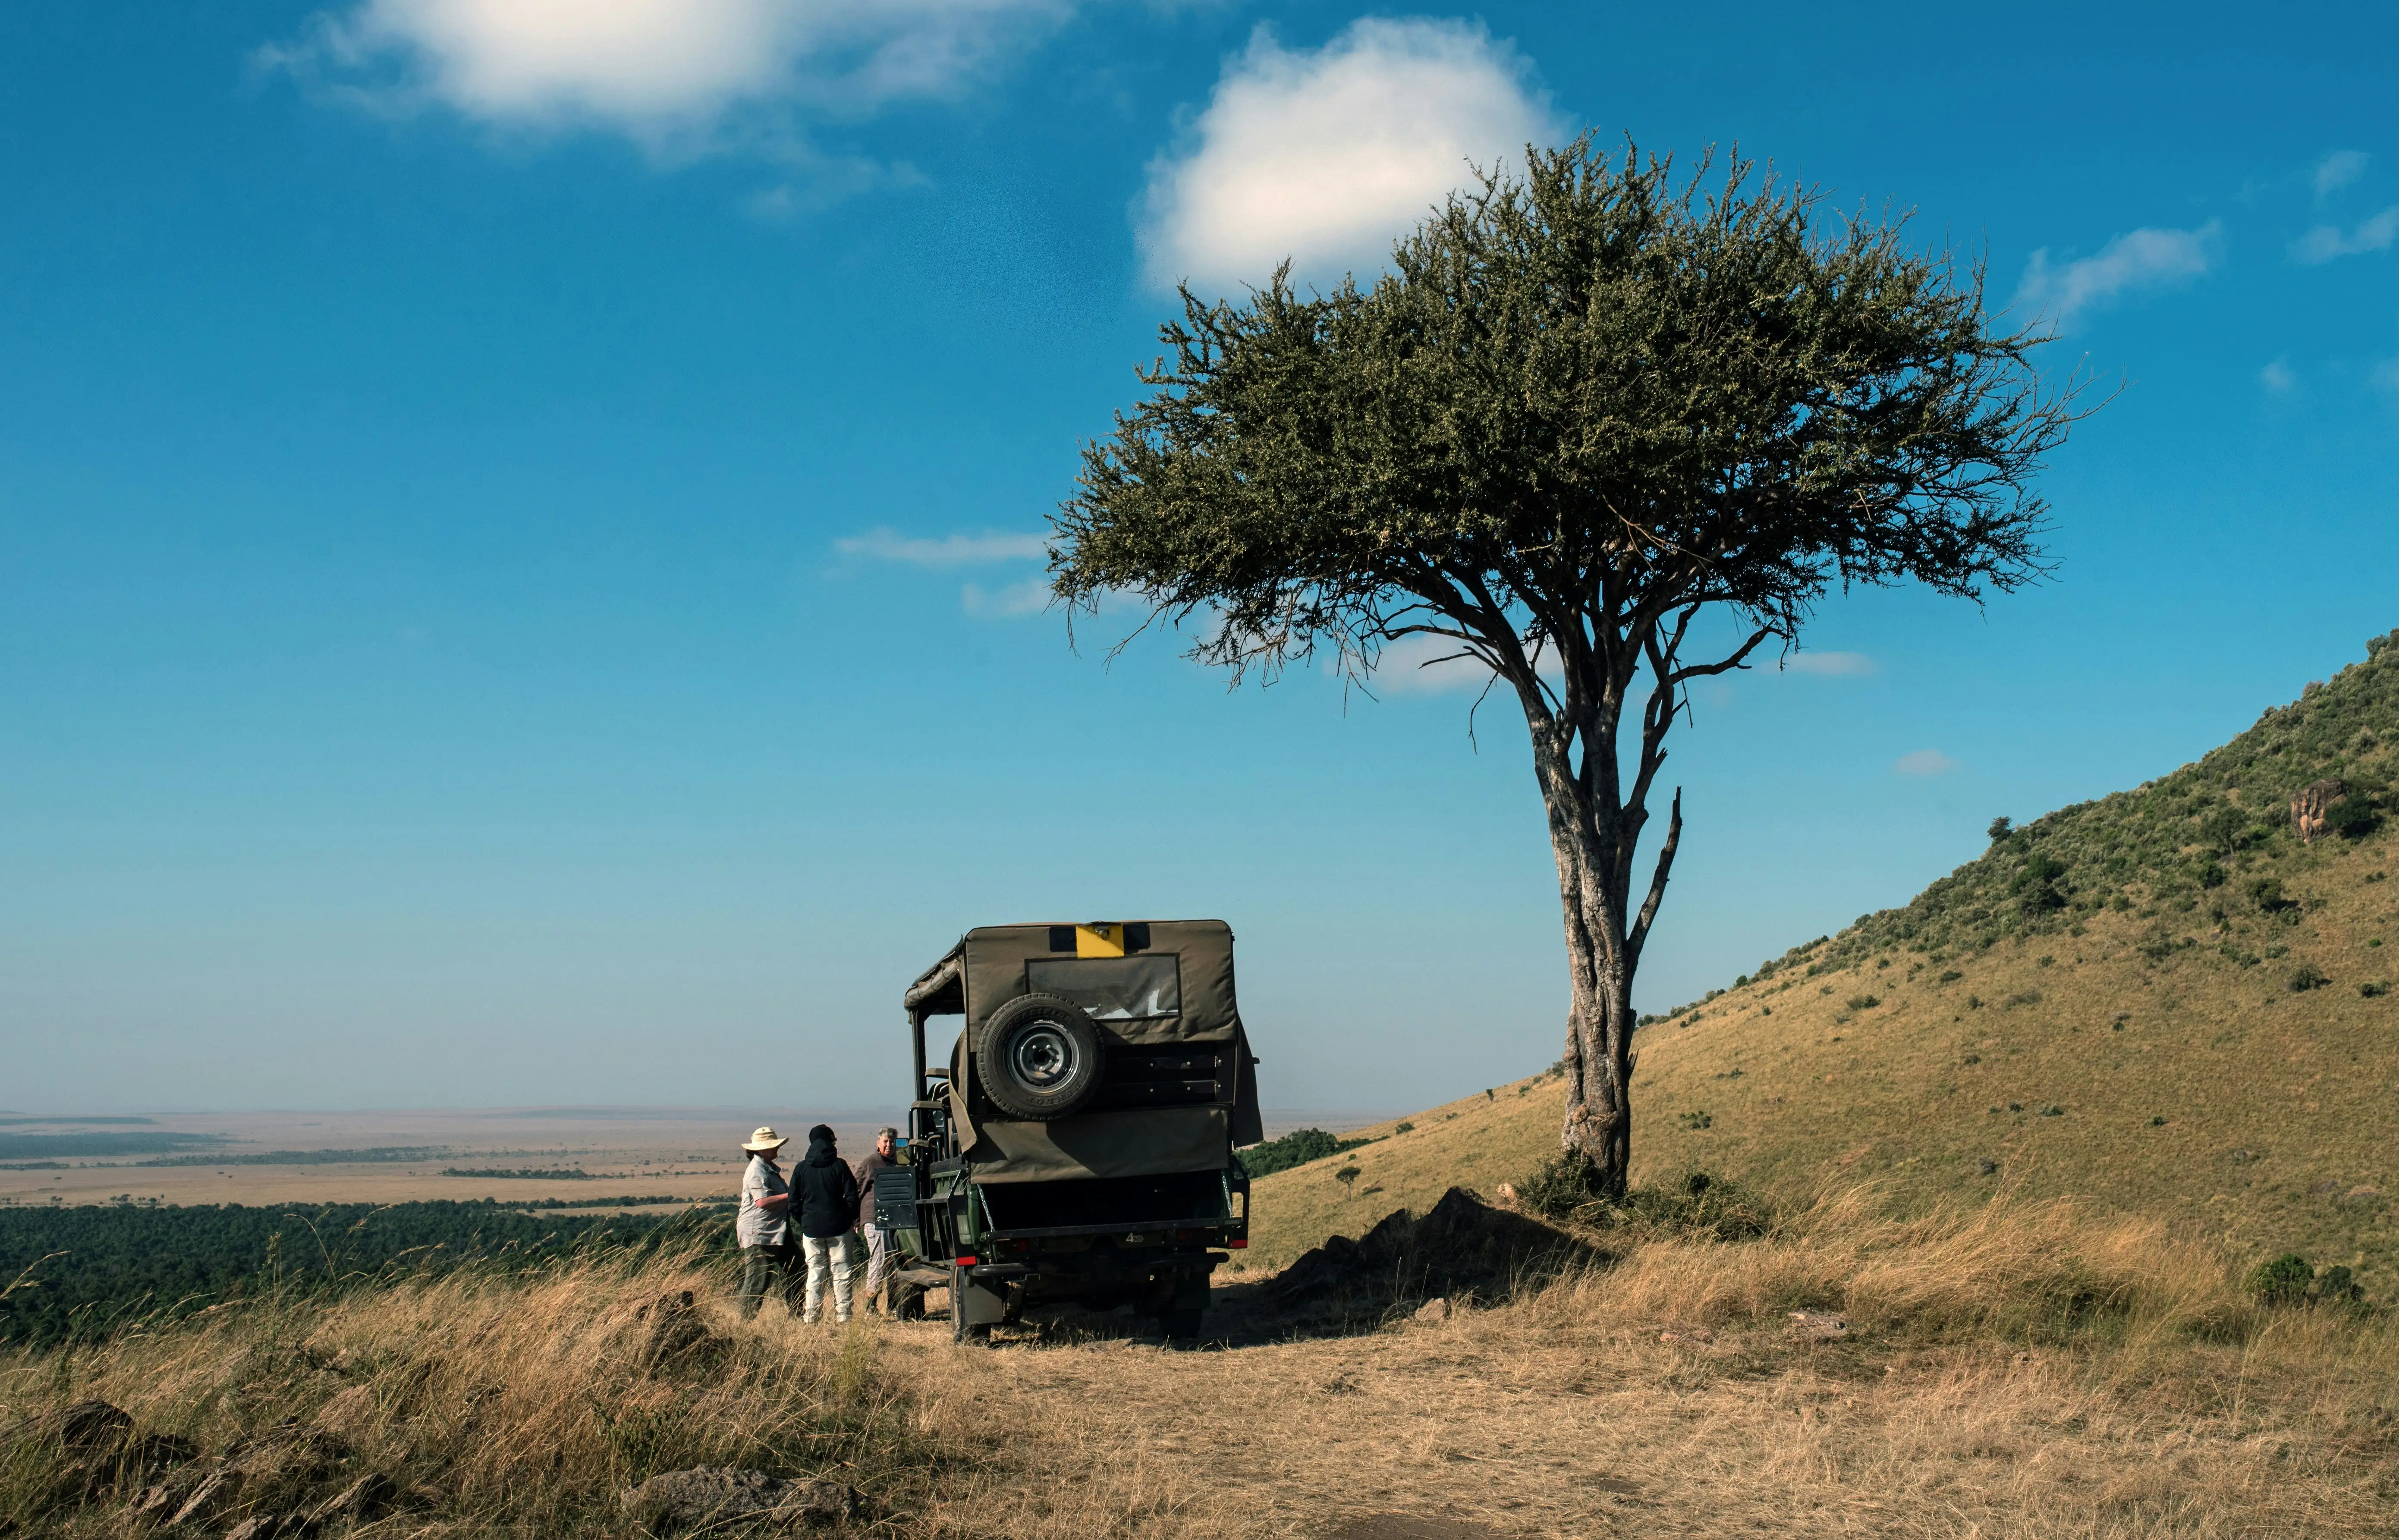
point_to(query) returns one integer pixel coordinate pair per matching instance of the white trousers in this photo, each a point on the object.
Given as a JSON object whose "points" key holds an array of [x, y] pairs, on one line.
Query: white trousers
{"points": [[828, 1258], [878, 1260]]}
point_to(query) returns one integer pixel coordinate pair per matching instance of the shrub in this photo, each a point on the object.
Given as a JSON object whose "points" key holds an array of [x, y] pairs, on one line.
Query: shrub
{"points": [[2334, 1285], [1695, 1121], [2283, 1281], [1949, 976], [2309, 977], [2021, 998], [2267, 894], [2157, 1122], [1297, 1148], [2211, 876], [2370, 991], [2053, 1110], [1865, 1002], [2353, 818], [1999, 828]]}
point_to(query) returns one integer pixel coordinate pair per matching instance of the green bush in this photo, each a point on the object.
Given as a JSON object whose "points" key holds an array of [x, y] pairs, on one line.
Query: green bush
{"points": [[1297, 1148], [2372, 990], [1865, 1002], [2283, 1281], [2335, 1285], [2308, 977]]}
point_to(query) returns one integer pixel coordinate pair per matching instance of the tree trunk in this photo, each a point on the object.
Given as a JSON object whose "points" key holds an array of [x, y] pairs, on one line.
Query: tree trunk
{"points": [[1599, 1020]]}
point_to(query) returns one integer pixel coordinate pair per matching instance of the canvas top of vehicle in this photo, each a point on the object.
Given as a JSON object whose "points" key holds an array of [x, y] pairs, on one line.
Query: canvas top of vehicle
{"points": [[1101, 1049]]}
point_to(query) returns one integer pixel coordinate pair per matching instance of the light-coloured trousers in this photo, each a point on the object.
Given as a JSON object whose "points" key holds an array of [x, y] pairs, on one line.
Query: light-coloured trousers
{"points": [[877, 1263], [828, 1258]]}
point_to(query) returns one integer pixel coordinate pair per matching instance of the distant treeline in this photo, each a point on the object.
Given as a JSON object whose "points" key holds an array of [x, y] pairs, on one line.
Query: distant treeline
{"points": [[79, 1122], [1297, 1148], [40, 1146], [521, 1173], [83, 1272], [309, 1158], [627, 1202]]}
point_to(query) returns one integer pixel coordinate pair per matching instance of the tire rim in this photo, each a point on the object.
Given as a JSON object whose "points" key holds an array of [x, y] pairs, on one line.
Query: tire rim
{"points": [[1041, 1056]]}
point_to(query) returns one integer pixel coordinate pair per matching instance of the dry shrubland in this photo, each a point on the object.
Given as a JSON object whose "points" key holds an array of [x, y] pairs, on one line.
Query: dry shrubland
{"points": [[494, 1403], [2018, 1368]]}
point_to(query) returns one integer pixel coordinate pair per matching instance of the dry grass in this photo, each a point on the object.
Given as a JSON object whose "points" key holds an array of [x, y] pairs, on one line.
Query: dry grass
{"points": [[499, 1404], [2279, 1127], [2021, 1370], [2022, 1367]]}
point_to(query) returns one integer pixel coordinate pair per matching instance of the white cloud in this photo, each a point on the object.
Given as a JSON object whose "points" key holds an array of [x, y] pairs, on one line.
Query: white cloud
{"points": [[1829, 663], [1011, 602], [664, 72], [1326, 156], [2277, 377], [950, 550], [2139, 259], [1924, 762], [2325, 243], [2338, 170]]}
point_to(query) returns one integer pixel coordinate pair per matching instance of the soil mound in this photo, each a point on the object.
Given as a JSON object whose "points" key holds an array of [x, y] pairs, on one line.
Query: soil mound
{"points": [[1462, 1248]]}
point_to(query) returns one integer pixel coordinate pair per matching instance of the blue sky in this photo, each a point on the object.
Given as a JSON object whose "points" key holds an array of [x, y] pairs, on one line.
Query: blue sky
{"points": [[514, 516]]}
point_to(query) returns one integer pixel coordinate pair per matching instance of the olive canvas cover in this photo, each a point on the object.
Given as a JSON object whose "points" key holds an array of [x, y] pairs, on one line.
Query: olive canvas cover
{"points": [[1145, 982]]}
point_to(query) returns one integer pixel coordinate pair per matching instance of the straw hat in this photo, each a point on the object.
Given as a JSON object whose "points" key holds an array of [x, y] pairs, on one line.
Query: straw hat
{"points": [[764, 1140]]}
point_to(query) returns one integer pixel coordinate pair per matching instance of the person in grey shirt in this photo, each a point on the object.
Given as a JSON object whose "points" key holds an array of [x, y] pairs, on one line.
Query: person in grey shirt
{"points": [[879, 1244], [764, 1228]]}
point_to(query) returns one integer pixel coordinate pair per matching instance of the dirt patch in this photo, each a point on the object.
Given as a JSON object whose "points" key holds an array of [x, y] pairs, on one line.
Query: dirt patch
{"points": [[1462, 1249]]}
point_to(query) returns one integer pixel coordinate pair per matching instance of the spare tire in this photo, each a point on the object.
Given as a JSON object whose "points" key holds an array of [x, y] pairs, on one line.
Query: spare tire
{"points": [[1039, 1057]]}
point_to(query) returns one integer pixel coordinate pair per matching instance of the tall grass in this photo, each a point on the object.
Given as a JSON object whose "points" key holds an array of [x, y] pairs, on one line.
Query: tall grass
{"points": [[494, 1400]]}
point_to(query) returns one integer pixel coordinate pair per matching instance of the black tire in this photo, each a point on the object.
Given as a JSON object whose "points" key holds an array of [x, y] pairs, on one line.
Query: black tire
{"points": [[1041, 1057]]}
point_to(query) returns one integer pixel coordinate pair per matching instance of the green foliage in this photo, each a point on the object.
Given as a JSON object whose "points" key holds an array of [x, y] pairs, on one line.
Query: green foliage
{"points": [[1297, 1148], [1566, 1187], [2308, 977], [1404, 1127], [2190, 833], [1865, 1002], [2282, 1280], [2373, 990], [1695, 1121]]}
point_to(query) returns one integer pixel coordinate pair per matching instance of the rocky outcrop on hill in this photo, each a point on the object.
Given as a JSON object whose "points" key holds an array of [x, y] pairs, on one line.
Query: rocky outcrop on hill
{"points": [[2311, 809]]}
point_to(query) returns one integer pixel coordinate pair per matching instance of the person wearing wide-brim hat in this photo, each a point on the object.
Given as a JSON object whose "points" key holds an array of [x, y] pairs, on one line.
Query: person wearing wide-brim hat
{"points": [[764, 1228]]}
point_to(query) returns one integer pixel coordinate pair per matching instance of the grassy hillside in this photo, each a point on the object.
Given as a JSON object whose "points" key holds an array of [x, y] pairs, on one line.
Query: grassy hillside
{"points": [[2161, 1000]]}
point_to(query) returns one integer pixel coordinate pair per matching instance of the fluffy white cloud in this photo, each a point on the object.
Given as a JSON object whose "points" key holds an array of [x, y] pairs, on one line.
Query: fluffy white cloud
{"points": [[950, 550], [2139, 259], [659, 70], [1013, 601], [2338, 170], [1924, 763], [1829, 663], [1326, 156], [2325, 243]]}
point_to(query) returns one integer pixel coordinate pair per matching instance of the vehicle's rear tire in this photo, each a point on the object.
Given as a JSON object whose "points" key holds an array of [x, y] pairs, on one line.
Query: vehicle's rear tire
{"points": [[1041, 1057], [1183, 1326]]}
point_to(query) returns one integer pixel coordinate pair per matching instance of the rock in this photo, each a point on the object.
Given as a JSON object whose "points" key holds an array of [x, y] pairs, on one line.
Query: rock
{"points": [[707, 1497], [89, 1428], [215, 1490], [1818, 1325], [1433, 1312], [2310, 810], [361, 1499], [1460, 1247]]}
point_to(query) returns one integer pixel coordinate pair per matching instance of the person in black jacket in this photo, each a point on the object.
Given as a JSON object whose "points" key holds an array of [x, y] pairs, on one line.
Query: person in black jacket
{"points": [[825, 1200]]}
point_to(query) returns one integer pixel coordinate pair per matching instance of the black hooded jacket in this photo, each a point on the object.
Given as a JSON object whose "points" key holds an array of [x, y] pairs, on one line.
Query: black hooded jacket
{"points": [[824, 1192]]}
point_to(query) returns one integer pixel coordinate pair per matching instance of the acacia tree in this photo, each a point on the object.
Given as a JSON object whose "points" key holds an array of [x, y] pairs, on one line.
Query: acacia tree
{"points": [[1603, 434]]}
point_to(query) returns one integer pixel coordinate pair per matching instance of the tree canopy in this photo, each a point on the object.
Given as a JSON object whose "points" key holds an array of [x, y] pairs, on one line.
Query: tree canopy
{"points": [[1586, 409]]}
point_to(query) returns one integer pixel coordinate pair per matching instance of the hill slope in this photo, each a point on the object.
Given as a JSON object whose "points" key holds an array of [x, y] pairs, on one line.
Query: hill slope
{"points": [[2162, 1000]]}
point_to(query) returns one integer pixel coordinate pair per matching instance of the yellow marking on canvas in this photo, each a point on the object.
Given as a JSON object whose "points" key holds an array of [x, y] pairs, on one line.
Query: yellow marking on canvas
{"points": [[1099, 941]]}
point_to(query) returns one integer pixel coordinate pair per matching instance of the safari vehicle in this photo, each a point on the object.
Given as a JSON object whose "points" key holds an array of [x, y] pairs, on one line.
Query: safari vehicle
{"points": [[1078, 1146]]}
